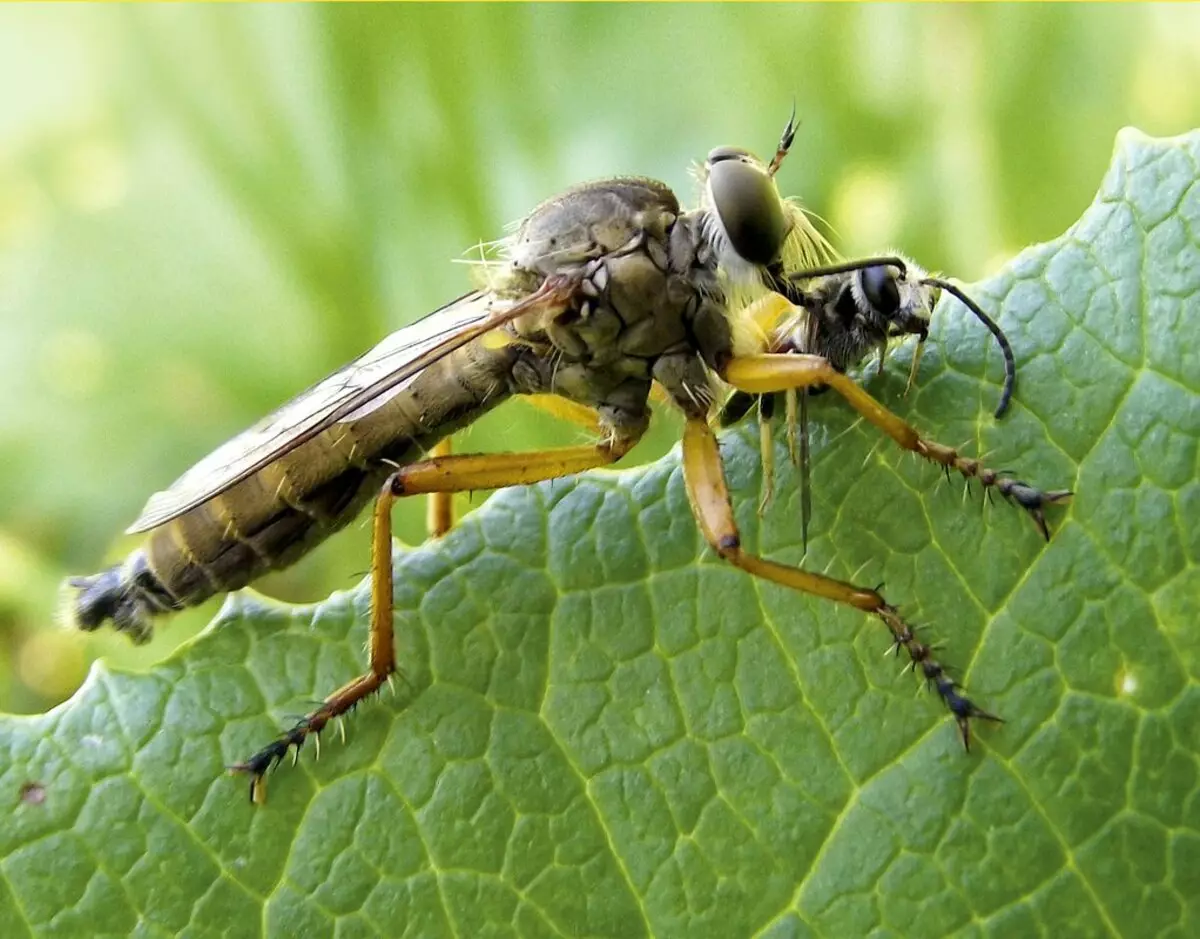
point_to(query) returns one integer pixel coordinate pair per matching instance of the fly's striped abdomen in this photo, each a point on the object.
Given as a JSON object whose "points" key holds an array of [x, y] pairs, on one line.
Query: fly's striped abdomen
{"points": [[274, 517]]}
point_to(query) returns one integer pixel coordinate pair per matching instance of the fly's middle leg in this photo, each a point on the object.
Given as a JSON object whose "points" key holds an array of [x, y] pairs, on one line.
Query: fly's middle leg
{"points": [[438, 474], [439, 507], [704, 478], [566, 410], [469, 471]]}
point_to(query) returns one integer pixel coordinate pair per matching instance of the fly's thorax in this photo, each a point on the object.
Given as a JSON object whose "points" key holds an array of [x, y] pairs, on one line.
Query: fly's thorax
{"points": [[633, 264], [589, 221], [647, 288]]}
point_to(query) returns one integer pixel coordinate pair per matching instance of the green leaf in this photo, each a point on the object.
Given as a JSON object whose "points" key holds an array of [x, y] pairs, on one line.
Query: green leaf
{"points": [[606, 731]]}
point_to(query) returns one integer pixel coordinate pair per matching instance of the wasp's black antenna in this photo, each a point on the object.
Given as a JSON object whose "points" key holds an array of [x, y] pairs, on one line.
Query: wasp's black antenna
{"points": [[846, 267], [1010, 367]]}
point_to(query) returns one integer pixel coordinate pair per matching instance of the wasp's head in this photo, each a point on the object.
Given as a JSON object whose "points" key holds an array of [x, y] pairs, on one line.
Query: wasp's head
{"points": [[889, 301], [857, 305]]}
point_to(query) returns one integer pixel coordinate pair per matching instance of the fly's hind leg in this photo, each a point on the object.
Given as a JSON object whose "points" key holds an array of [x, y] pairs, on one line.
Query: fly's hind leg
{"points": [[439, 511], [438, 474], [704, 478], [381, 658], [761, 374]]}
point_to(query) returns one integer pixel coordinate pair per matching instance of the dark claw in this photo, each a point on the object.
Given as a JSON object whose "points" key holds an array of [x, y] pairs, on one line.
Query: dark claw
{"points": [[1034, 501], [963, 709], [258, 766], [270, 756]]}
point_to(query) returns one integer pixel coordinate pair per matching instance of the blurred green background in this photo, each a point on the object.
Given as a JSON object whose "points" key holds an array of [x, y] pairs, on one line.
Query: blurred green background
{"points": [[203, 210]]}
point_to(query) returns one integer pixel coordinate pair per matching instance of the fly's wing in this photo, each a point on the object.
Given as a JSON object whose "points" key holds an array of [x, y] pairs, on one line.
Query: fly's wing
{"points": [[349, 393]]}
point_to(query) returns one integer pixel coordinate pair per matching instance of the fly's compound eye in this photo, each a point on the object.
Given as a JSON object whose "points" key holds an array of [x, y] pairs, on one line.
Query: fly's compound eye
{"points": [[720, 154], [881, 290], [747, 203]]}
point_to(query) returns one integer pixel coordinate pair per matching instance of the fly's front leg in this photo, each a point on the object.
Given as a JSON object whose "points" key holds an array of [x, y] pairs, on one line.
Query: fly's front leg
{"points": [[761, 374], [704, 477], [438, 474], [381, 658]]}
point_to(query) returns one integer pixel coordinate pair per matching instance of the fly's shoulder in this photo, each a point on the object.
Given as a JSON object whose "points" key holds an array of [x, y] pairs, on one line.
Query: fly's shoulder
{"points": [[633, 193]]}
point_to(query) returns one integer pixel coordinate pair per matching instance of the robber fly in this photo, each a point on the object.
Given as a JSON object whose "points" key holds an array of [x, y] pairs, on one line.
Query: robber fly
{"points": [[602, 292]]}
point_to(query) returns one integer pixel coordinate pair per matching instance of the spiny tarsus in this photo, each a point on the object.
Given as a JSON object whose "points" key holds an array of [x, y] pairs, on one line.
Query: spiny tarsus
{"points": [[293, 739], [1015, 491], [936, 675]]}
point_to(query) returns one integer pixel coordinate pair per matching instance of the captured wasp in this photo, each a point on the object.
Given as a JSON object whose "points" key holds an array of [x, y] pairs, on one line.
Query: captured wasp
{"points": [[843, 313], [603, 292]]}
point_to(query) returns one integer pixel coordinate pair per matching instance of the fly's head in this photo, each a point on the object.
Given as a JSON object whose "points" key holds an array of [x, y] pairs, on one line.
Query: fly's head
{"points": [[748, 222], [754, 232]]}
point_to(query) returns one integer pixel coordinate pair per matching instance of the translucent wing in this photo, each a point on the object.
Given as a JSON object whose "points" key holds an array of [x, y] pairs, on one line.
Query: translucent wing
{"points": [[348, 394]]}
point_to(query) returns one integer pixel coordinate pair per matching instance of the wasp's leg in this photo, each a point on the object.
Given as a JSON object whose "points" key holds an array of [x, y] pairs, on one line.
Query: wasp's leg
{"points": [[447, 474], [381, 658], [704, 478], [761, 374], [439, 507]]}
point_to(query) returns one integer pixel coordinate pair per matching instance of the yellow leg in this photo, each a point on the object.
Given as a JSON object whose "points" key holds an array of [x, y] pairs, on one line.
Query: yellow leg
{"points": [[767, 312], [762, 374], [704, 477], [439, 516], [439, 474], [439, 507], [464, 472], [566, 410], [766, 451], [381, 657]]}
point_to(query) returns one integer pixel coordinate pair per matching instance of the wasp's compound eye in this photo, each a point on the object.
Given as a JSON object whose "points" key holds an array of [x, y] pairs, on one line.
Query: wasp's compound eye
{"points": [[880, 288], [747, 203]]}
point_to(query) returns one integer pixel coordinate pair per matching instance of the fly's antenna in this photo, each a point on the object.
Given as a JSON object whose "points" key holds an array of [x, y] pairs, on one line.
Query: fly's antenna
{"points": [[785, 143], [1010, 366]]}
